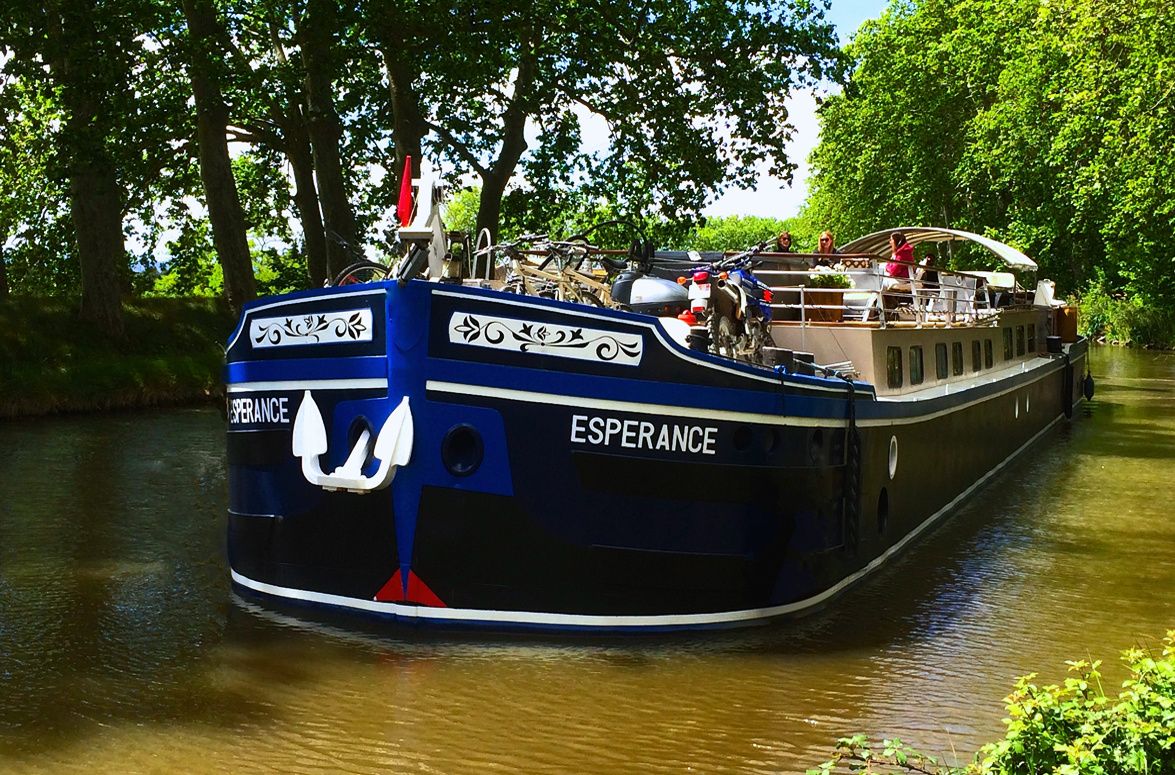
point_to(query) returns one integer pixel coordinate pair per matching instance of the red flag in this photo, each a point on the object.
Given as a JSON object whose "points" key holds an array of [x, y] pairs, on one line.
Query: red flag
{"points": [[404, 206]]}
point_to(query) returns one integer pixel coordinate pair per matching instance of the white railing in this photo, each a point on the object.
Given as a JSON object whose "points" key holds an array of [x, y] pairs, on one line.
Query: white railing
{"points": [[875, 298]]}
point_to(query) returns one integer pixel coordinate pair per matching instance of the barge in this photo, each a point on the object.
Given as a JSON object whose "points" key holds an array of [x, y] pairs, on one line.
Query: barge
{"points": [[437, 453]]}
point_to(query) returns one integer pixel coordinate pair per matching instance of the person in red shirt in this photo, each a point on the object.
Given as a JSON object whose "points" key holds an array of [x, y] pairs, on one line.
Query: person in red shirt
{"points": [[896, 284], [902, 251]]}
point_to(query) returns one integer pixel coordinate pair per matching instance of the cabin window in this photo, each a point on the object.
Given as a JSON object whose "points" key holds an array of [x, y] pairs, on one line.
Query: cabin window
{"points": [[1019, 340], [976, 356], [893, 366], [916, 365], [1031, 337], [957, 358], [1008, 344], [988, 359], [940, 360]]}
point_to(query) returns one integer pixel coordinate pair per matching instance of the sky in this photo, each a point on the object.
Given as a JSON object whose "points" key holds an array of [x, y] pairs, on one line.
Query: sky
{"points": [[773, 198]]}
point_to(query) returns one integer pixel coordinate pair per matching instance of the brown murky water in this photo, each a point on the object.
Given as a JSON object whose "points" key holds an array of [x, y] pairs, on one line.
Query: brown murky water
{"points": [[123, 649]]}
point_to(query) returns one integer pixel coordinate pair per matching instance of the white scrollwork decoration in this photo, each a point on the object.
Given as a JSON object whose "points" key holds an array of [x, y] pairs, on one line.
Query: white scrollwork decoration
{"points": [[352, 325], [585, 344]]}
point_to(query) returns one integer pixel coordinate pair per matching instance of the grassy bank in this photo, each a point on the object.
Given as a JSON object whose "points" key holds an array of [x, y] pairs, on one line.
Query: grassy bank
{"points": [[50, 361]]}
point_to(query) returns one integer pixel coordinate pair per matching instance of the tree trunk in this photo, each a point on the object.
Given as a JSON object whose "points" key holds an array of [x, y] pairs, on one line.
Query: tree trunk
{"points": [[95, 196], [317, 39], [296, 146], [96, 210], [408, 125], [306, 195], [216, 171], [494, 180], [3, 275]]}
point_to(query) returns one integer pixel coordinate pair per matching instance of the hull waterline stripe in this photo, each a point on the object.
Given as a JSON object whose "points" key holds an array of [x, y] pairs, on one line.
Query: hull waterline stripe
{"points": [[309, 384], [627, 622]]}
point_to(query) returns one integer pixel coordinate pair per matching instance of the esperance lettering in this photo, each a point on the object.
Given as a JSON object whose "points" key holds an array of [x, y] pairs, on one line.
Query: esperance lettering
{"points": [[639, 434], [258, 410]]}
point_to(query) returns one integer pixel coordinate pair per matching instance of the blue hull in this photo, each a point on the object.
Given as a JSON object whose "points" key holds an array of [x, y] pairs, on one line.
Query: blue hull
{"points": [[574, 468]]}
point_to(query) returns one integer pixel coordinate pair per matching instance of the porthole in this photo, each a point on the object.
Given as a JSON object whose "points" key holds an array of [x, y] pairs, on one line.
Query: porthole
{"points": [[462, 450], [816, 447], [1027, 404], [742, 437], [770, 440], [893, 456], [1017, 407]]}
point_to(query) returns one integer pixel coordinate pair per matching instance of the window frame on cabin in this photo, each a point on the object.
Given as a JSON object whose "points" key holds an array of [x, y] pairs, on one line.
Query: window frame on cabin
{"points": [[940, 360], [893, 367]]}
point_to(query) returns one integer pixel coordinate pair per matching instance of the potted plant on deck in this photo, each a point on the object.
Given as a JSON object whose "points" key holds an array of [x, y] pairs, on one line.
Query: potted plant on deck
{"points": [[818, 294]]}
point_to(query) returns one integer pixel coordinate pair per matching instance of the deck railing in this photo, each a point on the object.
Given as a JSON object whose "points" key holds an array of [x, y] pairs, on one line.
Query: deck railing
{"points": [[877, 299]]}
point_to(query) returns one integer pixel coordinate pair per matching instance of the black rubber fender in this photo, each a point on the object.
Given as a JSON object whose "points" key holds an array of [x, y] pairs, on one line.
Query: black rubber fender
{"points": [[1067, 388]]}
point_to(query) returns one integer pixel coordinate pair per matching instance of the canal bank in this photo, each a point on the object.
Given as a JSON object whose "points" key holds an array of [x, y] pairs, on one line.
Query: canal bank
{"points": [[125, 650], [52, 362]]}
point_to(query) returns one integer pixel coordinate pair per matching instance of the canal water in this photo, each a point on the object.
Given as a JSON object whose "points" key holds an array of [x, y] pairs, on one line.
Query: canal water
{"points": [[124, 650]]}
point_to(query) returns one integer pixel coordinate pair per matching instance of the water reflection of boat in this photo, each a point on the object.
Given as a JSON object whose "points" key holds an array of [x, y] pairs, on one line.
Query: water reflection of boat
{"points": [[442, 454]]}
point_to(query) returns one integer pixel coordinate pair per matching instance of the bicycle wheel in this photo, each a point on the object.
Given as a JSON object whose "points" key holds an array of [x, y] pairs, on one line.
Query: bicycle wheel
{"points": [[590, 299], [361, 272]]}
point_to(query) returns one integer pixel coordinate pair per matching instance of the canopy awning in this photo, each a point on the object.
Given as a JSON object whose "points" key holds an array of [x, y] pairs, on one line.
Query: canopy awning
{"points": [[877, 244]]}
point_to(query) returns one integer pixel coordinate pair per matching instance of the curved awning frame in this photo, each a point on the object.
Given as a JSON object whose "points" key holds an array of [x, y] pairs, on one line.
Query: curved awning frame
{"points": [[877, 244]]}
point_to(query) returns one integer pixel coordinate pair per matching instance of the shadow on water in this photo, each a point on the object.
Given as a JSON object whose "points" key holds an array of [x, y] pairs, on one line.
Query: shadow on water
{"points": [[111, 577]]}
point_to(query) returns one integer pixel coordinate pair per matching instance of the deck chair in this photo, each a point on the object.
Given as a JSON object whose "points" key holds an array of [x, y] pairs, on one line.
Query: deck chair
{"points": [[865, 296], [951, 290]]}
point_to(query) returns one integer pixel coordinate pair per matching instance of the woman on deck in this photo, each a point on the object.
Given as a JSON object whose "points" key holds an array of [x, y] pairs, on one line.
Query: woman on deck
{"points": [[896, 284]]}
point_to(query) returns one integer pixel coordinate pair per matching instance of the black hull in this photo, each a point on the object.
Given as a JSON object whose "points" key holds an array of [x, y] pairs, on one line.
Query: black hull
{"points": [[778, 497]]}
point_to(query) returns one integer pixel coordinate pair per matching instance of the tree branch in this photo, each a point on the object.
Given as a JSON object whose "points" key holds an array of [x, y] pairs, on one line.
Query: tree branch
{"points": [[459, 147]]}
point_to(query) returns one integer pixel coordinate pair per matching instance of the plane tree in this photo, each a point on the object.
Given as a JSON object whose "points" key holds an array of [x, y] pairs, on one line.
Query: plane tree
{"points": [[691, 93], [78, 57], [1042, 123]]}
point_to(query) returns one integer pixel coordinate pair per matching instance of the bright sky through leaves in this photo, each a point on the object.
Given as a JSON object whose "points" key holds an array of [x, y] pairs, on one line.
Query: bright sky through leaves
{"points": [[774, 199]]}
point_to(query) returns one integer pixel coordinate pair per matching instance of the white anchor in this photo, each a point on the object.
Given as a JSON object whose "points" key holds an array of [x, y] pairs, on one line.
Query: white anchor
{"points": [[393, 448]]}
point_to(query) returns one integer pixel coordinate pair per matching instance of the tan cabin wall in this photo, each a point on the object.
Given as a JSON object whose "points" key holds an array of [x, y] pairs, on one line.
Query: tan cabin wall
{"points": [[867, 347]]}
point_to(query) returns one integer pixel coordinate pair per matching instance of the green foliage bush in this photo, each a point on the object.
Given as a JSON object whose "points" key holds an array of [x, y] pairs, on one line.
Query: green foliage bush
{"points": [[1121, 319], [1068, 729], [1043, 124], [828, 280], [736, 232]]}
